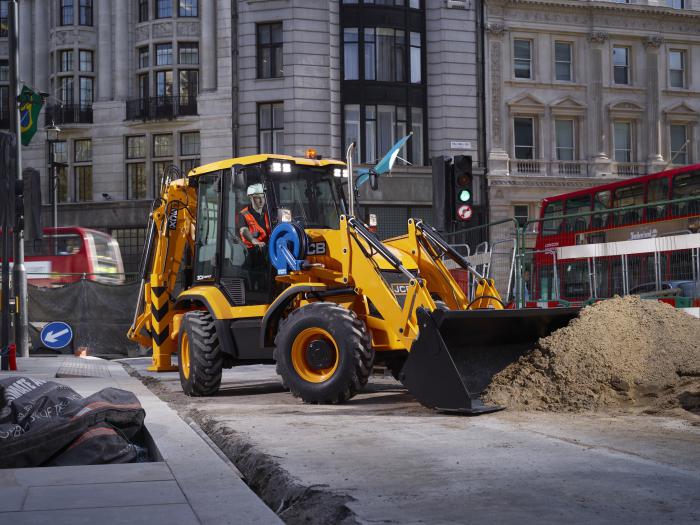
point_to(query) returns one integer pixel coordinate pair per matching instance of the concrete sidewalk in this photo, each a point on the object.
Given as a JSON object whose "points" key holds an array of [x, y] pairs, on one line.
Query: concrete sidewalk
{"points": [[192, 484]]}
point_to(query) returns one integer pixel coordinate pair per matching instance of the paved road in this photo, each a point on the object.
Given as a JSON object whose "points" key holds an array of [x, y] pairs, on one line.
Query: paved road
{"points": [[383, 458]]}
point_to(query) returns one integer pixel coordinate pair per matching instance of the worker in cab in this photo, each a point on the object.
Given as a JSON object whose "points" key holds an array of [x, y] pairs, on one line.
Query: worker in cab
{"points": [[254, 221]]}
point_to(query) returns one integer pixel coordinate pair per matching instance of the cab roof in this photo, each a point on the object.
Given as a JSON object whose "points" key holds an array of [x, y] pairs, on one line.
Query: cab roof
{"points": [[258, 159]]}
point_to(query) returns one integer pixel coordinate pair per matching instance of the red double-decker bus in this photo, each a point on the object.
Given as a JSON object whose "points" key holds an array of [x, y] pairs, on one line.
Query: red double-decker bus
{"points": [[69, 253], [624, 237]]}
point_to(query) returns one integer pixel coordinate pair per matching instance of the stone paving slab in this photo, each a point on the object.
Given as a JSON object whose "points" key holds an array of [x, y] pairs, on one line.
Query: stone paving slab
{"points": [[193, 484]]}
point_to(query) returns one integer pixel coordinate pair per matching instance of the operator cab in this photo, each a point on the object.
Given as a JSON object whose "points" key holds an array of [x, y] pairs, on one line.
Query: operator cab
{"points": [[248, 199]]}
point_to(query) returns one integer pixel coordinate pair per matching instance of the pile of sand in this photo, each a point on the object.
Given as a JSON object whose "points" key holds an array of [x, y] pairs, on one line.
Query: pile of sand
{"points": [[617, 353]]}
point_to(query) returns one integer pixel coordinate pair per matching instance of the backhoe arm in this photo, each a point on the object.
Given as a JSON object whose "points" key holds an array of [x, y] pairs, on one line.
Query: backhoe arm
{"points": [[170, 233]]}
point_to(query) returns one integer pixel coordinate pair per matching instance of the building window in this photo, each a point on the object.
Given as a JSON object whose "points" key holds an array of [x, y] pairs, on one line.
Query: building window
{"points": [[622, 137], [524, 137], [383, 126], [82, 150], [164, 8], [67, 12], [136, 180], [188, 8], [188, 53], [521, 213], [189, 84], [271, 127], [416, 72], [86, 61], [269, 38], [65, 91], [676, 4], [143, 10], [83, 183], [164, 83], [67, 60], [621, 65], [564, 130], [4, 71], [163, 145], [164, 54], [562, 58], [85, 13], [144, 91], [86, 91], [136, 171], [136, 147], [159, 169], [189, 148], [676, 65], [143, 57], [522, 58], [351, 62], [385, 51], [4, 18], [679, 144]]}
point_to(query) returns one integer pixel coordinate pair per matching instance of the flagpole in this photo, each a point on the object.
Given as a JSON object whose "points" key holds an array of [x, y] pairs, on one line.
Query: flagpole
{"points": [[19, 273]]}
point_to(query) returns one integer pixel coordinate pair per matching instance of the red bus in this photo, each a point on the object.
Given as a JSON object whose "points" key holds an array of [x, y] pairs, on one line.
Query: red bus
{"points": [[69, 253], [584, 250]]}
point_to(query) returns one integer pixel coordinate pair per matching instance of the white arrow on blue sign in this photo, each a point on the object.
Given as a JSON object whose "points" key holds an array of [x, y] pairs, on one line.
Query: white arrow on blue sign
{"points": [[56, 335]]}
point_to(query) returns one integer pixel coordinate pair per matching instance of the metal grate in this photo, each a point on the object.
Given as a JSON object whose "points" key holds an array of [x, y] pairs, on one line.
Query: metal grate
{"points": [[235, 289]]}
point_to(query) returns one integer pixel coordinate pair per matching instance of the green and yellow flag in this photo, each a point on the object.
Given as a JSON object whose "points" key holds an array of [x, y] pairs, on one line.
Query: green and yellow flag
{"points": [[30, 103]]}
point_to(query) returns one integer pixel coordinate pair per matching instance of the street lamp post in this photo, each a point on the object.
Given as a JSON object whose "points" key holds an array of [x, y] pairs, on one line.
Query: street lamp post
{"points": [[52, 133]]}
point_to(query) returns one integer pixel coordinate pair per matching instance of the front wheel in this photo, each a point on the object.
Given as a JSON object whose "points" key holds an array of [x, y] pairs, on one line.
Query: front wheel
{"points": [[324, 353], [200, 356]]}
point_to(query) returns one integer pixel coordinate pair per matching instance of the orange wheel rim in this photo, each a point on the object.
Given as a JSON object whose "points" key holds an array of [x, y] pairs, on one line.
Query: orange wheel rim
{"points": [[185, 355], [300, 360]]}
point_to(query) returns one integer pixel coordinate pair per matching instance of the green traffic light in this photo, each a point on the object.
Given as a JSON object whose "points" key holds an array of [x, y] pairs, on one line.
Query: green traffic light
{"points": [[464, 195]]}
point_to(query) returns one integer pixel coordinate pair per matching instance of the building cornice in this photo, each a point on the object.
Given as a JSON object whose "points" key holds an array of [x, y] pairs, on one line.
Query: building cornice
{"points": [[593, 6]]}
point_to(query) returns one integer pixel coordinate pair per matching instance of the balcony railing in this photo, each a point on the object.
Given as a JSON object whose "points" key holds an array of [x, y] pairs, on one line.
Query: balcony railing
{"points": [[629, 169], [68, 114], [556, 168], [153, 108]]}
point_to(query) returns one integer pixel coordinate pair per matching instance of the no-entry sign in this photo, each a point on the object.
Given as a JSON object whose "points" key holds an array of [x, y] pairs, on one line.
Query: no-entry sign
{"points": [[465, 212]]}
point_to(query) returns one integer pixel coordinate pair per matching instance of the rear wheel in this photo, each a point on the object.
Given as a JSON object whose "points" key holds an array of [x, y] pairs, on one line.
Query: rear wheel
{"points": [[323, 353], [200, 355]]}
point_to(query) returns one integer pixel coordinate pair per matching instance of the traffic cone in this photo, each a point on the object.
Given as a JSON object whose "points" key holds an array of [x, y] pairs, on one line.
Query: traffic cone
{"points": [[13, 356]]}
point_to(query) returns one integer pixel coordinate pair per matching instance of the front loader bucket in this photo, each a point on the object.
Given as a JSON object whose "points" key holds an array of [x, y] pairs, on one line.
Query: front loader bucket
{"points": [[457, 353]]}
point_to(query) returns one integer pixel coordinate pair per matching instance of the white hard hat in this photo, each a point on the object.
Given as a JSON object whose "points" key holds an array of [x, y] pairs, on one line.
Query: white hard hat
{"points": [[255, 189]]}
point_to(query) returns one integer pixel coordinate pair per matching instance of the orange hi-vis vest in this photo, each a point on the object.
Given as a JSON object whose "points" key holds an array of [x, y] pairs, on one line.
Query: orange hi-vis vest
{"points": [[254, 227]]}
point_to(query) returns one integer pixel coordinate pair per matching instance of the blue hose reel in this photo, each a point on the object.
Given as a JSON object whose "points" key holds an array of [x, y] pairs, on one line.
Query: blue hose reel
{"points": [[287, 247]]}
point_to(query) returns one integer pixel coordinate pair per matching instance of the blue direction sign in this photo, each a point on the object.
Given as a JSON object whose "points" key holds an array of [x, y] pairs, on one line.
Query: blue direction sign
{"points": [[56, 335]]}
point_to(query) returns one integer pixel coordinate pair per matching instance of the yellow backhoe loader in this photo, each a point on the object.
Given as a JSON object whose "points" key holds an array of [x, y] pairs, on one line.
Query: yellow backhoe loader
{"points": [[319, 294]]}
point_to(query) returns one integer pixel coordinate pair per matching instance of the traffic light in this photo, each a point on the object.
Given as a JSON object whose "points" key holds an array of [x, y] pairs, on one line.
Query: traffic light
{"points": [[462, 188]]}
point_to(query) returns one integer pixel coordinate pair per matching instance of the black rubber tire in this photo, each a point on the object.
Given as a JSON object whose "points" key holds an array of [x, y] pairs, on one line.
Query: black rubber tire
{"points": [[206, 358], [355, 360]]}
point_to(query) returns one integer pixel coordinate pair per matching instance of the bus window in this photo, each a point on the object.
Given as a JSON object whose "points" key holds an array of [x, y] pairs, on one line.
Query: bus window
{"points": [[106, 255], [686, 185], [553, 226], [628, 196], [657, 190], [578, 205], [575, 285], [602, 201]]}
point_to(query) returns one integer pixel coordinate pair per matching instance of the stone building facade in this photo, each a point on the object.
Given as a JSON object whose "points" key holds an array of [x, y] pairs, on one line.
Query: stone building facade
{"points": [[582, 92], [138, 85]]}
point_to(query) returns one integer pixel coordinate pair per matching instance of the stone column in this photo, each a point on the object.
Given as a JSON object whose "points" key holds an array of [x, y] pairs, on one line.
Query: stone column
{"points": [[497, 156], [651, 120], [598, 127], [121, 50], [41, 47], [104, 50], [26, 49], [208, 45]]}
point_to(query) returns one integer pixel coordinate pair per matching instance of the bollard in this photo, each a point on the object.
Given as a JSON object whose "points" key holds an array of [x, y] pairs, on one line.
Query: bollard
{"points": [[12, 356]]}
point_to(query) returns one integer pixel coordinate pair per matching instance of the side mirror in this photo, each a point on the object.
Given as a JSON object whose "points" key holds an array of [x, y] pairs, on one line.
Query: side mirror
{"points": [[238, 176]]}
